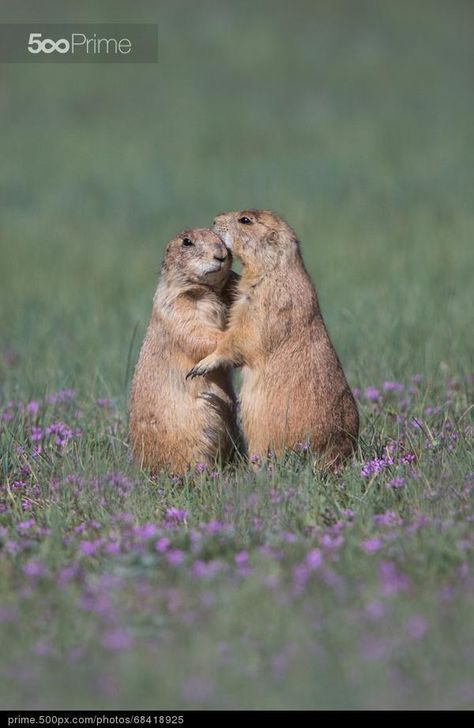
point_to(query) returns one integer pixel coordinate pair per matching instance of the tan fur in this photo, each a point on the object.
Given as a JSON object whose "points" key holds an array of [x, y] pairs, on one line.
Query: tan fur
{"points": [[294, 390], [176, 423]]}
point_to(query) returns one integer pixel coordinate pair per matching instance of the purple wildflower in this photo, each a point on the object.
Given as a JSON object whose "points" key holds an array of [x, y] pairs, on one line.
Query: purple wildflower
{"points": [[213, 527], [389, 518], [67, 574], [33, 569], [333, 580], [162, 544], [392, 387], [206, 569], [176, 515], [64, 395], [313, 559], [372, 394], [113, 548], [11, 547], [392, 581], [241, 558], [32, 407], [90, 548], [375, 610], [148, 530], [303, 446], [417, 627], [371, 545], [373, 467], [331, 543], [300, 577], [175, 557], [62, 433], [105, 403], [116, 639], [36, 434], [398, 482], [25, 525], [7, 415], [44, 649]]}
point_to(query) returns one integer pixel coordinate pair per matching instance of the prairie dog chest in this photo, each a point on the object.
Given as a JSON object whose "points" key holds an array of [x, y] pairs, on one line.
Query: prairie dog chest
{"points": [[211, 312]]}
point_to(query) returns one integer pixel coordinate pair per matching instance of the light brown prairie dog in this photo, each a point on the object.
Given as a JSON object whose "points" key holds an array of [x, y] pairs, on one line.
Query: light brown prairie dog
{"points": [[294, 390], [176, 423]]}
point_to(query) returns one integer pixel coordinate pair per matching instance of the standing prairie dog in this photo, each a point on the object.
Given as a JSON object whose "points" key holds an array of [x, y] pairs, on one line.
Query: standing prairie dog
{"points": [[294, 391], [173, 423]]}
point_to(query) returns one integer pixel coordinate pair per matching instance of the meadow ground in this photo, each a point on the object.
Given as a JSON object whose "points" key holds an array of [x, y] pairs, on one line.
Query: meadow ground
{"points": [[235, 588]]}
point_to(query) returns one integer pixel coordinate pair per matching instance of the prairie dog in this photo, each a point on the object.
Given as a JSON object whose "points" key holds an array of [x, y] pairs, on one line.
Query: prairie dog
{"points": [[173, 423], [294, 392]]}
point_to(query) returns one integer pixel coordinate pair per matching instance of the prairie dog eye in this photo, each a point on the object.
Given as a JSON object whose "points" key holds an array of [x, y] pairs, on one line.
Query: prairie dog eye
{"points": [[187, 242], [245, 220]]}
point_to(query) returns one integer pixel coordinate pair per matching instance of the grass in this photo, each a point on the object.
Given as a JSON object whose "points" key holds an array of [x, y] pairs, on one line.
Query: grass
{"points": [[267, 589]]}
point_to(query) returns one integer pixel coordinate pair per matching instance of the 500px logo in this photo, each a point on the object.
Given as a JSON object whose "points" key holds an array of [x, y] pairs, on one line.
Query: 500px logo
{"points": [[94, 45], [79, 43]]}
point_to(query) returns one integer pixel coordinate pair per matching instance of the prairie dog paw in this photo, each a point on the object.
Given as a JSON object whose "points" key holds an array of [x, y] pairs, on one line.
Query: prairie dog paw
{"points": [[205, 366]]}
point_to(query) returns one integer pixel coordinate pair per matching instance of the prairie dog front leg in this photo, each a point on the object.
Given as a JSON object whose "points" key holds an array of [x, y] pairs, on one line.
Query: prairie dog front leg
{"points": [[225, 355]]}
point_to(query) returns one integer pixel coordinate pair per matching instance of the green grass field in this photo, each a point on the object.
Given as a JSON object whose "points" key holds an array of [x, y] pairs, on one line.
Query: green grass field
{"points": [[352, 119]]}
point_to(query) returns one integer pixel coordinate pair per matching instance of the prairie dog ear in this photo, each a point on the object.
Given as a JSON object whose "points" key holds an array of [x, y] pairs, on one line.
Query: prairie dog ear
{"points": [[272, 237]]}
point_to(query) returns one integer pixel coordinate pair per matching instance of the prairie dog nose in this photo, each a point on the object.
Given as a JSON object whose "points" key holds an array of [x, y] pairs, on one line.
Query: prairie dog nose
{"points": [[221, 255]]}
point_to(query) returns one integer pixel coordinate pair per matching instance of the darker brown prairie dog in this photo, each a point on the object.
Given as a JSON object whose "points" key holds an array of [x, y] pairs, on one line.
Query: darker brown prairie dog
{"points": [[173, 423], [293, 387]]}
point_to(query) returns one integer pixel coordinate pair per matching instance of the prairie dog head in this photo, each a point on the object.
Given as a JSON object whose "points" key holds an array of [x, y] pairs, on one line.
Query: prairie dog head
{"points": [[197, 257], [259, 238]]}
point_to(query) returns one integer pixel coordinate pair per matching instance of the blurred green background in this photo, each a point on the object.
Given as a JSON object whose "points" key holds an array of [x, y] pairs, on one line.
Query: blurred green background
{"points": [[352, 118]]}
